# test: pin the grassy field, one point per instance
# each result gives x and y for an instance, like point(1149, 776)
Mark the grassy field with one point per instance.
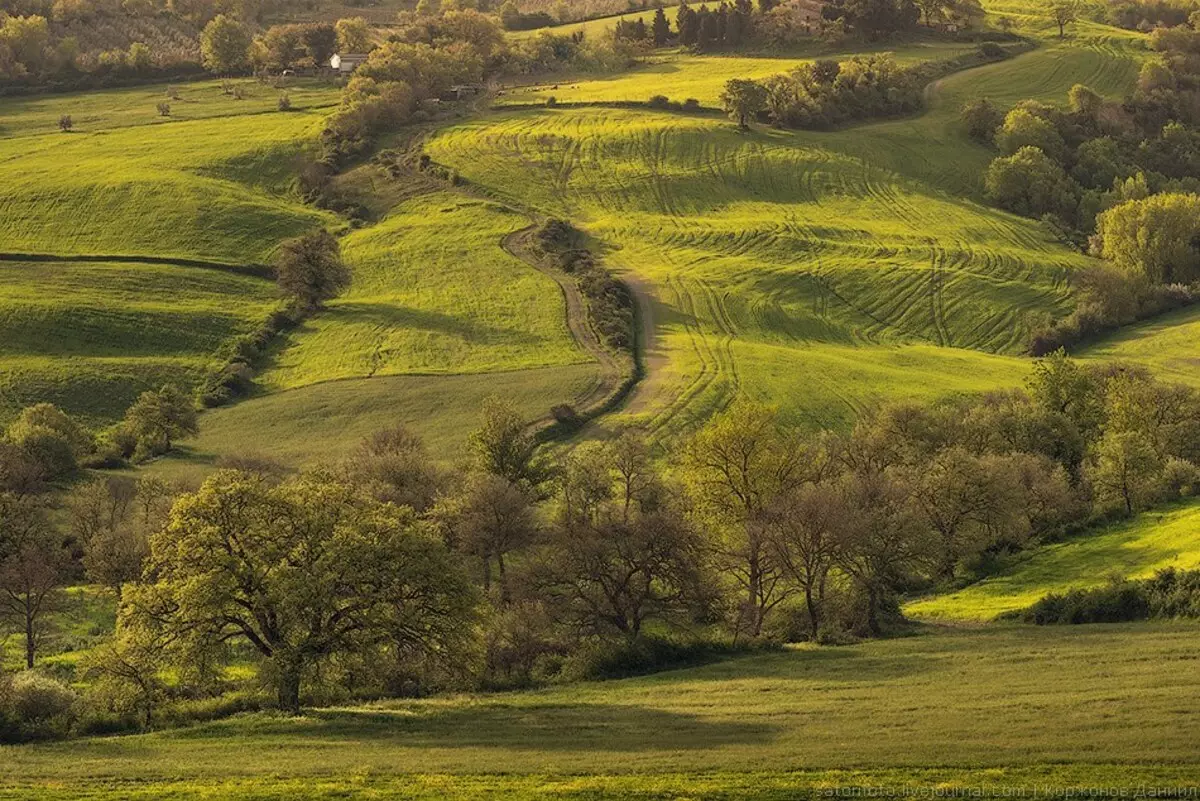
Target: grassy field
point(207, 190)
point(433, 292)
point(681, 75)
point(322, 422)
point(104, 110)
point(90, 336)
point(1006, 706)
point(1133, 549)
point(768, 250)
point(1166, 344)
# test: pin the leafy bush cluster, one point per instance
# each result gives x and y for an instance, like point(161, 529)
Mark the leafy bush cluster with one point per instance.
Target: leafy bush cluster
point(610, 304)
point(1170, 594)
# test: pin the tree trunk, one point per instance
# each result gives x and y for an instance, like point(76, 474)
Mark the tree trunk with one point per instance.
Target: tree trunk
point(811, 603)
point(30, 648)
point(503, 579)
point(872, 612)
point(289, 687)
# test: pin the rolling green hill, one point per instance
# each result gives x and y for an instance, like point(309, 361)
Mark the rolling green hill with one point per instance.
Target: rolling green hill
point(1133, 549)
point(1002, 707)
point(146, 224)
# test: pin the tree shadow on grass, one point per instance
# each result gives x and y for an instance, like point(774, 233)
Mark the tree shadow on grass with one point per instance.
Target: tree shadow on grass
point(845, 665)
point(551, 727)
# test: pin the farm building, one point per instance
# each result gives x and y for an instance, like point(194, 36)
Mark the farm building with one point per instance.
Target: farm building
point(346, 63)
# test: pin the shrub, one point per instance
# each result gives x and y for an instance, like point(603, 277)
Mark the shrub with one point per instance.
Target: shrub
point(34, 707)
point(691, 104)
point(1118, 602)
point(551, 101)
point(659, 102)
point(65, 123)
point(164, 109)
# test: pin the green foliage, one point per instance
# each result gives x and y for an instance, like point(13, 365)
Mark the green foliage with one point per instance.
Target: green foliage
point(743, 99)
point(157, 419)
point(1155, 238)
point(1029, 182)
point(225, 45)
point(340, 573)
point(310, 271)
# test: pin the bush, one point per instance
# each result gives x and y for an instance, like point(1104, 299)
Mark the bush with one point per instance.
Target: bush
point(65, 123)
point(551, 101)
point(659, 102)
point(691, 104)
point(35, 707)
point(285, 102)
point(602, 658)
point(1118, 602)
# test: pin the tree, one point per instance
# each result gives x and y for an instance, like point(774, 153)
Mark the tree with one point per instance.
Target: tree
point(613, 576)
point(661, 28)
point(1030, 183)
point(51, 438)
point(302, 571)
point(743, 99)
point(1157, 238)
point(353, 35)
point(1023, 128)
point(65, 123)
point(804, 532)
point(310, 270)
point(394, 465)
point(931, 9)
point(158, 418)
point(1125, 471)
point(737, 467)
point(1064, 12)
point(490, 519)
point(320, 41)
point(225, 45)
point(687, 24)
point(504, 446)
point(32, 570)
point(982, 119)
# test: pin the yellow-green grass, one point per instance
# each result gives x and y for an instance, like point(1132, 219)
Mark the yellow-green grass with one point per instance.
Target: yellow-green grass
point(773, 258)
point(433, 292)
point(120, 108)
point(1133, 549)
point(682, 75)
point(1166, 344)
point(320, 424)
point(602, 26)
point(216, 189)
point(90, 336)
point(82, 616)
point(1114, 705)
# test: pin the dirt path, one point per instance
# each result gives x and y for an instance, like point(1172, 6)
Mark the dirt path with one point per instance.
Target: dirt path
point(612, 372)
point(650, 349)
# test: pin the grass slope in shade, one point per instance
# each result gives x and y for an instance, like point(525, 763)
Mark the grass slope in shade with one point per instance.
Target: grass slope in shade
point(432, 292)
point(966, 705)
point(217, 189)
point(90, 336)
point(322, 423)
point(757, 244)
point(1134, 549)
point(121, 108)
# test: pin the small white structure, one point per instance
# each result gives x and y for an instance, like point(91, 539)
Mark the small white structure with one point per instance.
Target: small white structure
point(346, 63)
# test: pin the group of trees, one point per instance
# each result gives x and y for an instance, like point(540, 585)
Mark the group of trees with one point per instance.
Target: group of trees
point(1146, 15)
point(825, 93)
point(390, 572)
point(1126, 174)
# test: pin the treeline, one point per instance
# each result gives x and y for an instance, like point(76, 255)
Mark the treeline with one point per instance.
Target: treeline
point(1120, 177)
point(390, 574)
point(826, 93)
point(1146, 15)
point(404, 79)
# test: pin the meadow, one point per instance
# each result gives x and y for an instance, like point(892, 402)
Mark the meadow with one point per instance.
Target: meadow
point(1132, 549)
point(150, 234)
point(1000, 707)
